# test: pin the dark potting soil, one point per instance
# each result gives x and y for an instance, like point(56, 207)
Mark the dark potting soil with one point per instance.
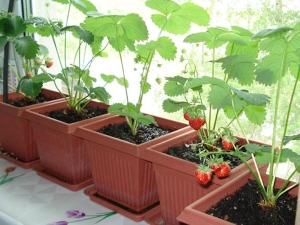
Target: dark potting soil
point(145, 132)
point(242, 208)
point(22, 102)
point(69, 115)
point(186, 152)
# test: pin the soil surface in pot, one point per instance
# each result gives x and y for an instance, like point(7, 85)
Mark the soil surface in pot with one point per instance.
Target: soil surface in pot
point(69, 115)
point(186, 152)
point(242, 208)
point(145, 132)
point(22, 102)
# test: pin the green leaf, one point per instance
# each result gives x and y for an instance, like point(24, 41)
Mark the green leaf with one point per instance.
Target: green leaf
point(215, 37)
point(81, 89)
point(272, 32)
point(26, 47)
point(173, 88)
point(134, 27)
point(253, 148)
point(240, 67)
point(287, 139)
point(145, 87)
point(235, 110)
point(80, 34)
point(83, 6)
point(118, 109)
point(3, 41)
point(13, 26)
point(105, 26)
point(288, 154)
point(219, 97)
point(163, 6)
point(144, 119)
point(166, 48)
point(30, 88)
point(170, 105)
point(42, 78)
point(264, 156)
point(198, 82)
point(101, 94)
point(256, 114)
point(108, 78)
point(252, 98)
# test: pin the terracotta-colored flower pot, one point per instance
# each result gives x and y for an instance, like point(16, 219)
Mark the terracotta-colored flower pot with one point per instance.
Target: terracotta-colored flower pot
point(177, 186)
point(195, 212)
point(16, 136)
point(122, 180)
point(63, 158)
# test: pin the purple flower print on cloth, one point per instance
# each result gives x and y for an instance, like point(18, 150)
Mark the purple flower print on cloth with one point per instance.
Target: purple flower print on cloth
point(78, 214)
point(75, 214)
point(58, 223)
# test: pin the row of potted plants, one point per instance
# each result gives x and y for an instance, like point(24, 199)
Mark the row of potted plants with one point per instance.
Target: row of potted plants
point(133, 176)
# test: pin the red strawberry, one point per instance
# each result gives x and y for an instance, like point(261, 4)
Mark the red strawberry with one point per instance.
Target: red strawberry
point(216, 167)
point(227, 142)
point(48, 62)
point(197, 123)
point(186, 116)
point(203, 176)
point(224, 171)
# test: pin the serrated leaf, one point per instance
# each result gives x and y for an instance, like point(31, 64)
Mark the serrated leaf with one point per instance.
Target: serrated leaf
point(144, 119)
point(170, 105)
point(253, 148)
point(264, 156)
point(162, 6)
point(252, 98)
point(3, 41)
point(42, 78)
point(83, 6)
point(240, 67)
point(272, 32)
point(198, 82)
point(26, 47)
point(105, 26)
point(218, 97)
point(80, 33)
point(30, 88)
point(134, 27)
point(166, 48)
point(145, 87)
point(101, 94)
point(287, 139)
point(108, 78)
point(13, 26)
point(81, 89)
point(256, 114)
point(117, 108)
point(215, 37)
point(288, 154)
point(173, 88)
point(235, 109)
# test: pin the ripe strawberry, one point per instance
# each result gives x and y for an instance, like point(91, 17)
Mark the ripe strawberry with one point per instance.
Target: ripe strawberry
point(197, 123)
point(186, 116)
point(216, 167)
point(48, 62)
point(203, 176)
point(224, 171)
point(228, 142)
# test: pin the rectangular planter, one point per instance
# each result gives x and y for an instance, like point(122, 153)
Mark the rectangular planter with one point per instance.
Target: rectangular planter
point(16, 136)
point(195, 212)
point(63, 158)
point(177, 186)
point(120, 175)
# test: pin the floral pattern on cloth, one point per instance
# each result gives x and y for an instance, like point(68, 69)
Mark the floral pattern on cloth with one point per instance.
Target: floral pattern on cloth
point(4, 178)
point(76, 214)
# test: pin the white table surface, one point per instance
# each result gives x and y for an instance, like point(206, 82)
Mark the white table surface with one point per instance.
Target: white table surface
point(32, 200)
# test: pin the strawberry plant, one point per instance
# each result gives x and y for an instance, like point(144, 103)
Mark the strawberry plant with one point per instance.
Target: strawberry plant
point(130, 32)
point(280, 52)
point(206, 97)
point(76, 74)
point(25, 51)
